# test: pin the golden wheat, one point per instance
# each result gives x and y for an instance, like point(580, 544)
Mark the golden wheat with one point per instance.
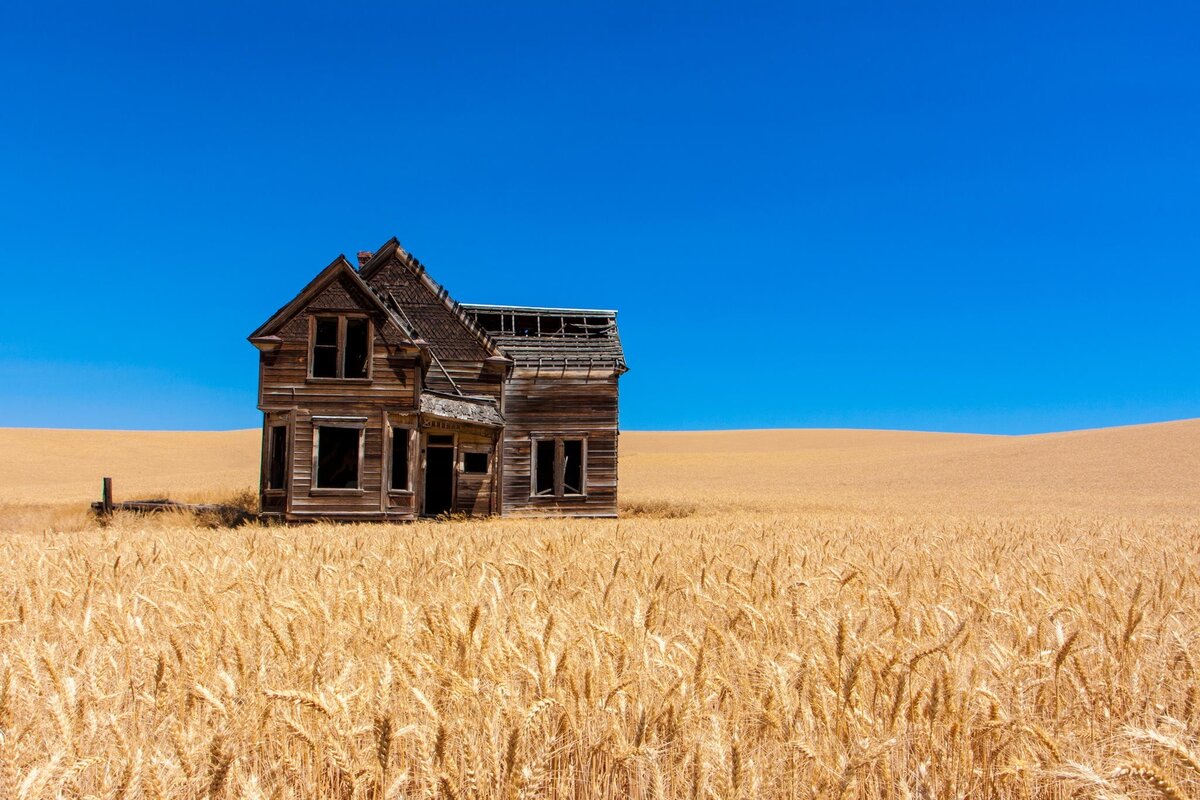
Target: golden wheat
point(708, 645)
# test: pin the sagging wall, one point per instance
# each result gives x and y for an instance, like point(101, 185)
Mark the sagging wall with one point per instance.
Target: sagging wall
point(560, 403)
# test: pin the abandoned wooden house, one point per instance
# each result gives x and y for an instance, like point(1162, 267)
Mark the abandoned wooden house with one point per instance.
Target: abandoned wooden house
point(385, 399)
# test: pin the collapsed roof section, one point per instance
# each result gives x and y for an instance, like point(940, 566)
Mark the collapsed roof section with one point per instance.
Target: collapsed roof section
point(565, 338)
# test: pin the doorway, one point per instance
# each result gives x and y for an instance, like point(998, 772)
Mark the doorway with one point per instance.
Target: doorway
point(439, 480)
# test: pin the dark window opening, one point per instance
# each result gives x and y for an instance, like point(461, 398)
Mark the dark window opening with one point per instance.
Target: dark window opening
point(572, 466)
point(337, 457)
point(276, 465)
point(341, 347)
point(325, 348)
point(476, 463)
point(489, 322)
point(525, 325)
point(558, 468)
point(400, 459)
point(439, 439)
point(357, 345)
point(544, 462)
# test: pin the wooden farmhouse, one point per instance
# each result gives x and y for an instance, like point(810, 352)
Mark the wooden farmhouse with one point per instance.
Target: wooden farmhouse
point(384, 399)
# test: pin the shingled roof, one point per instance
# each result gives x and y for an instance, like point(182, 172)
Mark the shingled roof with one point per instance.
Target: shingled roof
point(578, 338)
point(402, 282)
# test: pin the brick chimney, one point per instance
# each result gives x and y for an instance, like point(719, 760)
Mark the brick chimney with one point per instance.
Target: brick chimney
point(363, 257)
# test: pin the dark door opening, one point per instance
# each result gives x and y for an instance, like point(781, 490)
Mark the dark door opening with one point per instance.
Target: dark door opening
point(439, 480)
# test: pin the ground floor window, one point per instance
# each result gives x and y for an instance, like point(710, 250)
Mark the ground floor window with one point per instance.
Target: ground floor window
point(338, 456)
point(572, 466)
point(277, 457)
point(400, 472)
point(475, 463)
point(559, 466)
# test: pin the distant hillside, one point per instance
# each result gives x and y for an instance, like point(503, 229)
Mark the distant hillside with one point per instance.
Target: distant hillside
point(1136, 470)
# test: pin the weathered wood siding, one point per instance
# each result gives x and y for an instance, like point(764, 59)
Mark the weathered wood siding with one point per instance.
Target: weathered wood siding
point(364, 501)
point(285, 385)
point(284, 382)
point(562, 383)
point(561, 404)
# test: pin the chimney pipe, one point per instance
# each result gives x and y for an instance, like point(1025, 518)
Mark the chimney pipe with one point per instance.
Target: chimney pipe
point(363, 257)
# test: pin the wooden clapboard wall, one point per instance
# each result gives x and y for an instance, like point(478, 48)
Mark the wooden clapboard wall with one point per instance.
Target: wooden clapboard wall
point(561, 403)
point(288, 393)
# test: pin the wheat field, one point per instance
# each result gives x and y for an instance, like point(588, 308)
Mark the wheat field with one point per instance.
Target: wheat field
point(776, 614)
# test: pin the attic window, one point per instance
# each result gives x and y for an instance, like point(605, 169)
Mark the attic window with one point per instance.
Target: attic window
point(341, 347)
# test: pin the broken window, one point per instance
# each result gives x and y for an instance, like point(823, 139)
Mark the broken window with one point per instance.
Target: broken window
point(572, 458)
point(544, 467)
point(399, 459)
point(558, 467)
point(341, 347)
point(277, 457)
point(337, 457)
point(475, 463)
point(440, 439)
point(325, 348)
point(357, 344)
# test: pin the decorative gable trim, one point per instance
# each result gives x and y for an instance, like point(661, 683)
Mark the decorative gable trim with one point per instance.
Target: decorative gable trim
point(339, 267)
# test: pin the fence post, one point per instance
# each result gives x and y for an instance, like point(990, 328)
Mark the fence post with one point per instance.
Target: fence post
point(106, 498)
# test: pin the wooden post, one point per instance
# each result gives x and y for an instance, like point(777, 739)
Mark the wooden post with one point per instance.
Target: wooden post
point(106, 498)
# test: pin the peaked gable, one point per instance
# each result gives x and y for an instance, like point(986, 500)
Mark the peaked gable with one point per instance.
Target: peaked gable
point(428, 308)
point(337, 288)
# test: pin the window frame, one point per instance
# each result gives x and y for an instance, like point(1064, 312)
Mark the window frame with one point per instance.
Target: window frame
point(358, 423)
point(474, 451)
point(410, 429)
point(341, 317)
point(271, 421)
point(273, 455)
point(559, 491)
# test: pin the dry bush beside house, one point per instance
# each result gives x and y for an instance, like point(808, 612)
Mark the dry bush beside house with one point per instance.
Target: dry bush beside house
point(1030, 633)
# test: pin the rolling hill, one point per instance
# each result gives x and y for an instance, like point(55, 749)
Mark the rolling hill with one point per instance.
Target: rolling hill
point(1135, 470)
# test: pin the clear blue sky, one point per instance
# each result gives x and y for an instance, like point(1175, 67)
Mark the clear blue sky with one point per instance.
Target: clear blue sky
point(958, 216)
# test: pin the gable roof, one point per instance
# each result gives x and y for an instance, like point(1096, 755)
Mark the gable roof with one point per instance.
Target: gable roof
point(426, 306)
point(339, 267)
point(574, 338)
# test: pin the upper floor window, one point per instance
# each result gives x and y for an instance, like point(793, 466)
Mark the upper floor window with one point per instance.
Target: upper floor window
point(341, 347)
